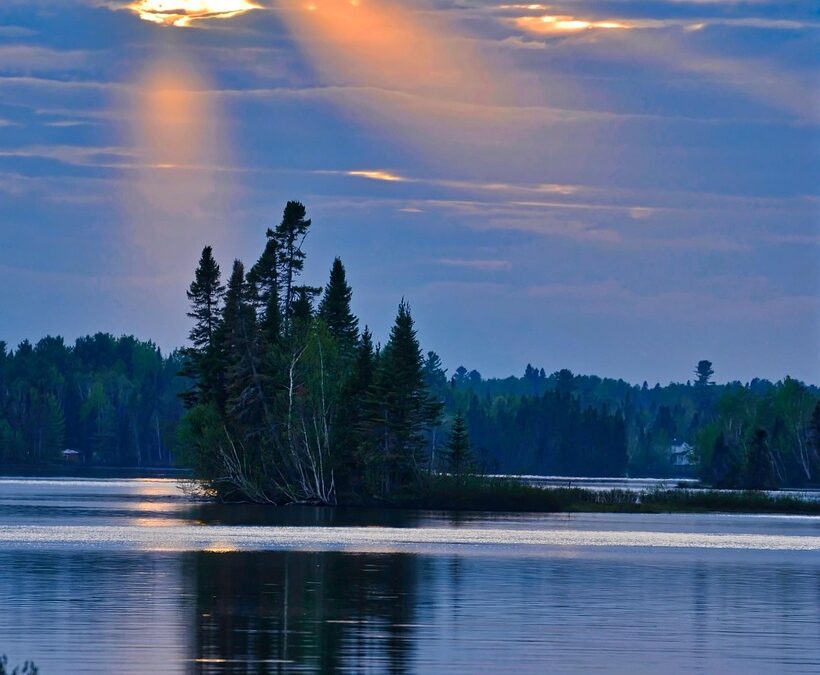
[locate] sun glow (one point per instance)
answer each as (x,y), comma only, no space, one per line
(377,175)
(182,13)
(180,186)
(547,24)
(387,44)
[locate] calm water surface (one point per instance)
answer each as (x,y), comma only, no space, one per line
(131,576)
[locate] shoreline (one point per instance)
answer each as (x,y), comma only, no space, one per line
(509,496)
(494,494)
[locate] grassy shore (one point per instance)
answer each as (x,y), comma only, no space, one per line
(485,494)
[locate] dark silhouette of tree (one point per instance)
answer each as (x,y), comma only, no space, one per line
(205,295)
(704,373)
(565,382)
(435,375)
(289,236)
(302,308)
(264,287)
(404,410)
(459,377)
(334,308)
(248,400)
(354,437)
(459,456)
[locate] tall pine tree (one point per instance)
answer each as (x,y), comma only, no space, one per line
(459,456)
(205,295)
(202,358)
(264,281)
(289,236)
(334,308)
(404,410)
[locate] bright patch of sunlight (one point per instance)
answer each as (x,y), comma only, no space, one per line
(547,24)
(377,175)
(182,13)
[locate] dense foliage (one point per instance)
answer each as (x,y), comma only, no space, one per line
(113,400)
(292,403)
(760,434)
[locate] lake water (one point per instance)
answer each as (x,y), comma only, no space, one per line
(131,576)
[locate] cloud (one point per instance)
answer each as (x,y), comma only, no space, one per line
(477,264)
(717,300)
(668,43)
(28,59)
(377,174)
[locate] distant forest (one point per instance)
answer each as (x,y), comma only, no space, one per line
(113,400)
(281,396)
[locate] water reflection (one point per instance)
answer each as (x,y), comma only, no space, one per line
(314,611)
(91,607)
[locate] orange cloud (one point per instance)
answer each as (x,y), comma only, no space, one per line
(378,175)
(556,25)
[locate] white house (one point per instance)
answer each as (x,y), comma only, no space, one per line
(681,455)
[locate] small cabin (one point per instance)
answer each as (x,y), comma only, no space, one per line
(71,456)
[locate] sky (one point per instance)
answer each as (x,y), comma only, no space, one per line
(618,187)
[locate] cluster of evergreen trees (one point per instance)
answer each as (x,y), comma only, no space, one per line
(722,422)
(114,400)
(518,429)
(293,403)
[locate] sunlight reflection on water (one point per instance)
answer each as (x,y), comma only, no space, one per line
(375,539)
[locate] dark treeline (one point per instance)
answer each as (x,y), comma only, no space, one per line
(759,434)
(113,400)
(544,430)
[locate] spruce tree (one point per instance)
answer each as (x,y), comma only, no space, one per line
(264,281)
(703,386)
(245,377)
(302,307)
(202,359)
(353,437)
(334,309)
(205,294)
(289,236)
(366,362)
(405,410)
(459,456)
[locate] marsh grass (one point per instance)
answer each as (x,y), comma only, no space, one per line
(492,494)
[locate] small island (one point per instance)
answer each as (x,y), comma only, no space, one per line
(283,398)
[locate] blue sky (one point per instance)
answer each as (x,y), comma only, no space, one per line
(616,187)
